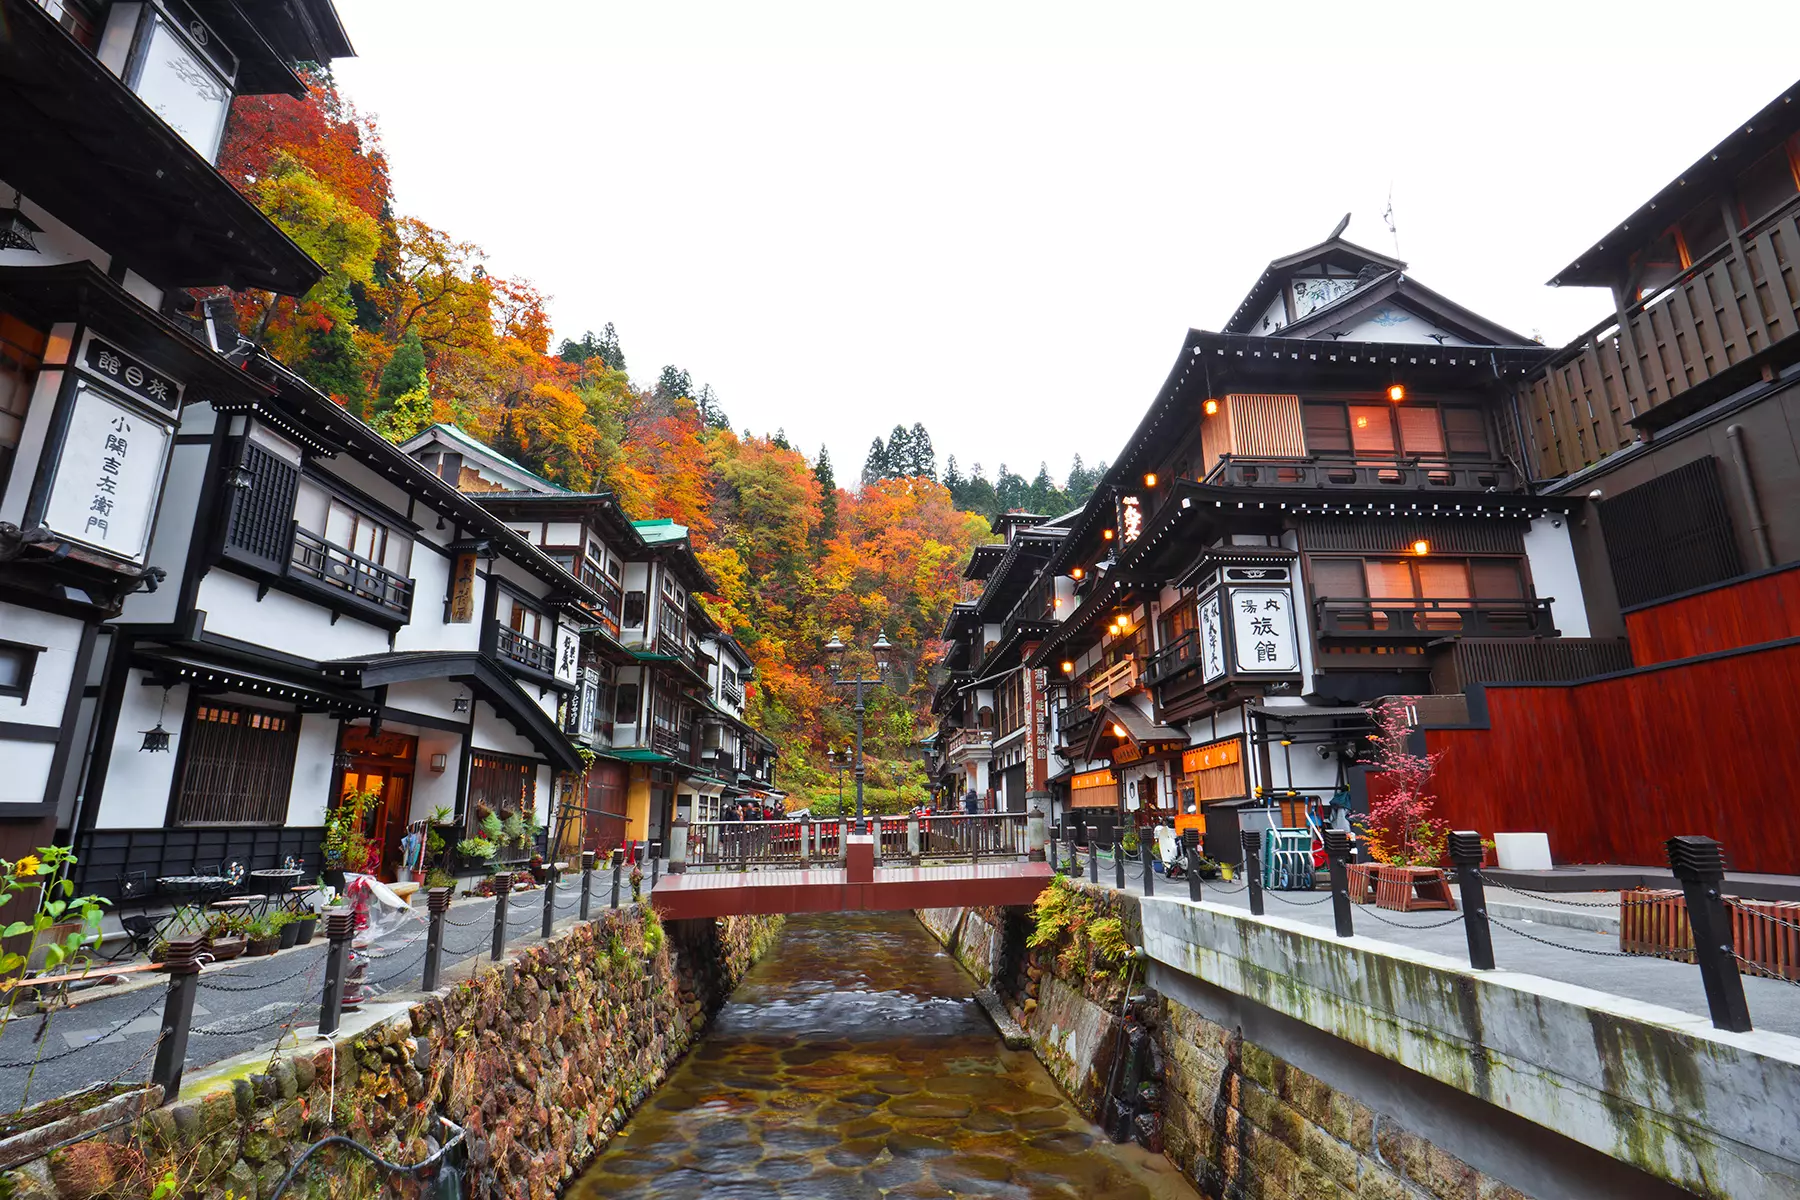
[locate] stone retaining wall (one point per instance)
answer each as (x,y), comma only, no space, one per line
(541,1058)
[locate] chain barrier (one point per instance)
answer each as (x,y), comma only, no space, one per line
(373,955)
(157,997)
(308,996)
(1281,895)
(1368,910)
(1560,899)
(255,987)
(1760,914)
(1530,937)
(484,918)
(404,969)
(1759,971)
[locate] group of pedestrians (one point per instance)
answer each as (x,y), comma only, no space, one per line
(749,810)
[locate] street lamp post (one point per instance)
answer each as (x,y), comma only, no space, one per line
(834,654)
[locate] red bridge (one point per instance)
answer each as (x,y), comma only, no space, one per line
(760,868)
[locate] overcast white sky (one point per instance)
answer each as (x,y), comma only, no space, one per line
(1000,218)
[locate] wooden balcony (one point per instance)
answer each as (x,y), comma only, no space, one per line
(386,592)
(1117,680)
(965,742)
(1377,620)
(516,647)
(1365,474)
(1729,306)
(731,692)
(1172,659)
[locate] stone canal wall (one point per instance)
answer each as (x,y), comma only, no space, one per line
(1268,1058)
(540,1057)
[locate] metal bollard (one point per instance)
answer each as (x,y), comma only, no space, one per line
(1148,846)
(587,881)
(1118,849)
(1193,873)
(1055,862)
(1251,840)
(1093,860)
(183,963)
(618,865)
(437,903)
(654,850)
(1465,856)
(549,901)
(502,893)
(1699,863)
(340,923)
(1337,853)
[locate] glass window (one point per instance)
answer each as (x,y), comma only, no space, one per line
(1443,579)
(1339,577)
(1327,429)
(1465,431)
(21,350)
(634,610)
(183,88)
(1389,578)
(1421,434)
(1371,430)
(625,711)
(16,663)
(238,766)
(1497,580)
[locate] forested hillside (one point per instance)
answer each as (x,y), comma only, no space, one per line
(410,327)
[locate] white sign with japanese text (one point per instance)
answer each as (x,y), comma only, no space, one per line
(1262,626)
(568,652)
(1212,639)
(109,475)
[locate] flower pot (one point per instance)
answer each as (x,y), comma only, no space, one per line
(304,928)
(226,948)
(290,935)
(263,946)
(334,878)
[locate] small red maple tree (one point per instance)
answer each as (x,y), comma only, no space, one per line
(1399,827)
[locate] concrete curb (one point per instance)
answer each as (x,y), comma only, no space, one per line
(1015,1037)
(1565,918)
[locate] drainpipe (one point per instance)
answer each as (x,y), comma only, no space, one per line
(1759,528)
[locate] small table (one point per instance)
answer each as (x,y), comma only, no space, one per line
(182,918)
(277,880)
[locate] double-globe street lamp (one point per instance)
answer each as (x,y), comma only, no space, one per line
(881,651)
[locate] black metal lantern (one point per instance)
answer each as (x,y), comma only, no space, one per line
(834,654)
(157,738)
(883,650)
(342,760)
(16,229)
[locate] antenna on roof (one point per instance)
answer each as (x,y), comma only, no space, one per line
(1388,216)
(1339,231)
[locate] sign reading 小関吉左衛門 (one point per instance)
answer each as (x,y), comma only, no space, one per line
(108,474)
(1262,627)
(1212,639)
(568,652)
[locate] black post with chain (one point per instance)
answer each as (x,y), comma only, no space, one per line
(1193,874)
(183,964)
(1699,863)
(1055,862)
(549,899)
(1466,852)
(502,892)
(1251,840)
(437,903)
(1337,855)
(340,924)
(587,882)
(1147,847)
(618,866)
(1118,851)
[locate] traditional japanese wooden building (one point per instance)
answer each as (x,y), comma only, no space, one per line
(110,208)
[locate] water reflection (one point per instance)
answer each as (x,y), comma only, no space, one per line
(852,1062)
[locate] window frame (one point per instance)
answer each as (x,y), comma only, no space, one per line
(282,799)
(28,658)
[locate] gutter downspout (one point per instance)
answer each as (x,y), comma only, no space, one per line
(1759,527)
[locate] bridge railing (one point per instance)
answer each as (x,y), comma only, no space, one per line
(738,845)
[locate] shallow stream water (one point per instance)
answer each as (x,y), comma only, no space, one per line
(853,1061)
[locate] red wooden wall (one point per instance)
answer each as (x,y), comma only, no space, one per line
(1610,768)
(1763,609)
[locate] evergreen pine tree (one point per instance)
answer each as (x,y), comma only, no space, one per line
(780,440)
(924,458)
(952,477)
(899,453)
(828,504)
(674,382)
(875,467)
(402,373)
(608,350)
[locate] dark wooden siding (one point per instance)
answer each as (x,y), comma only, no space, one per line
(1396,535)
(1763,608)
(1468,661)
(1611,768)
(1671,534)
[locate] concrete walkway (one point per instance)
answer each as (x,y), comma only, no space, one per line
(1555,937)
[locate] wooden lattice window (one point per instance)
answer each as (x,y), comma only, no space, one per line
(238,766)
(262,511)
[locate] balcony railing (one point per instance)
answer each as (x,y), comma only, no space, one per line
(1370,474)
(731,692)
(1721,311)
(1172,659)
(1407,618)
(526,651)
(1071,719)
(611,596)
(340,567)
(668,741)
(965,740)
(1113,682)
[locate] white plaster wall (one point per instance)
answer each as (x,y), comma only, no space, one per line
(138,784)
(493,733)
(1553,573)
(51,679)
(174,533)
(282,622)
(310,794)
(428,630)
(434,788)
(32,435)
(145,291)
(429,697)
(27,771)
(1394,323)
(563,533)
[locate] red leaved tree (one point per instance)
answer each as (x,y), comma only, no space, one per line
(1399,827)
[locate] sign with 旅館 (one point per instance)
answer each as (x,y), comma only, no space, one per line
(1264,641)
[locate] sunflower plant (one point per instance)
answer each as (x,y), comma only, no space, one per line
(44,877)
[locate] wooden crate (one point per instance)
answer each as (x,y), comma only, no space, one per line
(1412,889)
(1654,921)
(1362,882)
(1766,933)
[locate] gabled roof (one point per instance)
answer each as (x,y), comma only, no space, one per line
(1334,252)
(670,542)
(983,559)
(476,448)
(1395,289)
(1604,262)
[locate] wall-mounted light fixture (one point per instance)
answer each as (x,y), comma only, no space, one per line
(1212,408)
(1107,534)
(1397,392)
(1077,573)
(342,760)
(460,704)
(240,477)
(1068,668)
(157,738)
(439,762)
(1150,479)
(1118,730)
(1421,547)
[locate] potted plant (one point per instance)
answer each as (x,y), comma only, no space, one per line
(1401,835)
(475,852)
(346,846)
(306,924)
(287,926)
(226,934)
(262,937)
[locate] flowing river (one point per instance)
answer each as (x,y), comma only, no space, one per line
(853,1061)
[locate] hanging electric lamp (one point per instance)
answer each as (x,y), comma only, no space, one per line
(157,738)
